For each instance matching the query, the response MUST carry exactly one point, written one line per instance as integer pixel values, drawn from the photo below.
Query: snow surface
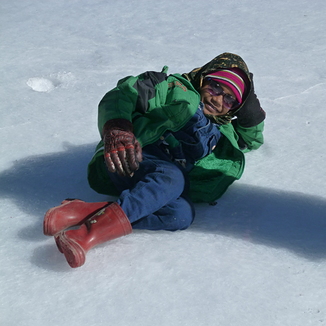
(256, 258)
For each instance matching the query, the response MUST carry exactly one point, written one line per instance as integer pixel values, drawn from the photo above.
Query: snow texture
(256, 258)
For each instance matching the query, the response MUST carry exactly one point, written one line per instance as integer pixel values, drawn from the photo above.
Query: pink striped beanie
(232, 79)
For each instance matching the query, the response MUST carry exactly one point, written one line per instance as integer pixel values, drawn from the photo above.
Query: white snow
(256, 258)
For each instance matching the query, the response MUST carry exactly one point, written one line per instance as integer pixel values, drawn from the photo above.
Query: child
(167, 141)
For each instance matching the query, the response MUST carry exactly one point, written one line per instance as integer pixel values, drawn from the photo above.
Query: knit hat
(231, 78)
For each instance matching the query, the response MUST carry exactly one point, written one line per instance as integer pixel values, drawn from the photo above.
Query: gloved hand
(251, 113)
(122, 151)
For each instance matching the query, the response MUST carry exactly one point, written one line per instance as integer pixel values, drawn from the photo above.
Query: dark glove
(122, 151)
(250, 114)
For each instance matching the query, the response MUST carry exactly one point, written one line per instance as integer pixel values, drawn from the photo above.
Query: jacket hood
(223, 61)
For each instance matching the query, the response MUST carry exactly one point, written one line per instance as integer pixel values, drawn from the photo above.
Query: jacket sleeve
(249, 138)
(131, 94)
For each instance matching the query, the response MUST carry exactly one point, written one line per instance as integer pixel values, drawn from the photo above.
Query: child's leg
(177, 215)
(154, 193)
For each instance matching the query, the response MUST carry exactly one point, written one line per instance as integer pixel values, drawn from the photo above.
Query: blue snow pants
(155, 198)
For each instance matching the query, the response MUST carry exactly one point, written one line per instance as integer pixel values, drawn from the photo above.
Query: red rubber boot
(71, 212)
(107, 224)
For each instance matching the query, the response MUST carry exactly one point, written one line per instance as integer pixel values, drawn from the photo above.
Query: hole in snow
(39, 84)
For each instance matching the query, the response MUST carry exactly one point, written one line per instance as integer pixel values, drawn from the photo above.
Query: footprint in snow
(41, 84)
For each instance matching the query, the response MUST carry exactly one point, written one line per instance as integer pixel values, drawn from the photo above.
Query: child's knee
(184, 215)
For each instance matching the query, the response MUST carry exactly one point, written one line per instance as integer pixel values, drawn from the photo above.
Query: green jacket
(156, 102)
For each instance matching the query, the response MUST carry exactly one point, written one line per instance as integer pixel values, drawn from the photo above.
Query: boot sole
(47, 225)
(56, 238)
(74, 253)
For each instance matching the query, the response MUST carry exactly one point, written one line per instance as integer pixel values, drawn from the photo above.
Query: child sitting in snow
(167, 141)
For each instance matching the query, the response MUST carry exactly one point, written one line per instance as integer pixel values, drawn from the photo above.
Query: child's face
(214, 105)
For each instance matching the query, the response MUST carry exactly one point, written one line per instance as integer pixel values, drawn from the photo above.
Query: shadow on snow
(294, 221)
(290, 220)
